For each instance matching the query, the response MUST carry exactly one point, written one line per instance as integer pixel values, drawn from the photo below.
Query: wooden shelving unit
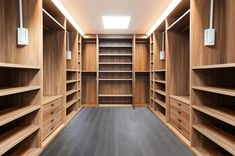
(89, 72)
(115, 61)
(213, 73)
(178, 69)
(20, 79)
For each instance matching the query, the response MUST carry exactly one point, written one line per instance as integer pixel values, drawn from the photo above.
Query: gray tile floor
(116, 132)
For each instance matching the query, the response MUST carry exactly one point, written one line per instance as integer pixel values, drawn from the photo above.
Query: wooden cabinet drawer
(179, 127)
(51, 108)
(181, 106)
(184, 122)
(51, 124)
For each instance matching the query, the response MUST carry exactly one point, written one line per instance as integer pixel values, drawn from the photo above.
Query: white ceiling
(88, 14)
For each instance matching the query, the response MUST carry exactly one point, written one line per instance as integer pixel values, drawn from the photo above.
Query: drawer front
(181, 106)
(51, 108)
(184, 122)
(179, 113)
(180, 128)
(51, 124)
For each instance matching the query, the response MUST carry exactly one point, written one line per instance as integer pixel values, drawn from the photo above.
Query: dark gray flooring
(116, 132)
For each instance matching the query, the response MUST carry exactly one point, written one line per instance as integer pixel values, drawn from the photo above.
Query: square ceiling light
(116, 22)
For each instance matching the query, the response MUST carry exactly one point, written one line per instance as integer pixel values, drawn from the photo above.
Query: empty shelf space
(160, 116)
(15, 136)
(201, 151)
(28, 151)
(215, 66)
(225, 115)
(48, 99)
(71, 92)
(11, 114)
(159, 102)
(160, 81)
(222, 138)
(115, 63)
(217, 90)
(181, 22)
(115, 95)
(160, 92)
(71, 81)
(115, 79)
(15, 90)
(50, 22)
(184, 99)
(70, 103)
(18, 66)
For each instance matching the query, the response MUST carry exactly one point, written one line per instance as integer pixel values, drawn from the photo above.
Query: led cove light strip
(65, 12)
(168, 10)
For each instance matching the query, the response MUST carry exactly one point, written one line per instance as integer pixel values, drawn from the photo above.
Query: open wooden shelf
(71, 70)
(16, 90)
(15, 136)
(71, 81)
(160, 92)
(200, 151)
(71, 115)
(115, 46)
(28, 151)
(71, 102)
(159, 70)
(159, 102)
(217, 90)
(14, 113)
(223, 114)
(71, 92)
(184, 99)
(115, 95)
(18, 66)
(160, 81)
(222, 138)
(48, 99)
(115, 79)
(50, 22)
(214, 66)
(181, 23)
(115, 54)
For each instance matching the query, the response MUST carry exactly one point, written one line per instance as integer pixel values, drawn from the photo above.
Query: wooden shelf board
(141, 71)
(48, 99)
(70, 103)
(18, 66)
(215, 66)
(115, 46)
(51, 22)
(115, 95)
(225, 115)
(70, 116)
(222, 138)
(112, 71)
(115, 79)
(159, 102)
(71, 70)
(15, 113)
(86, 71)
(16, 90)
(160, 92)
(160, 81)
(159, 70)
(217, 90)
(70, 92)
(184, 99)
(71, 81)
(15, 136)
(115, 54)
(159, 115)
(181, 22)
(115, 63)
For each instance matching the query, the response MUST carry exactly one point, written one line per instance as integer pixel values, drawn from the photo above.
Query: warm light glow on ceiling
(66, 13)
(116, 22)
(168, 10)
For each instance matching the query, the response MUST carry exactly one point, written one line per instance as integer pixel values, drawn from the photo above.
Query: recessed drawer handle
(180, 128)
(52, 112)
(179, 112)
(52, 120)
(179, 120)
(52, 128)
(52, 104)
(179, 104)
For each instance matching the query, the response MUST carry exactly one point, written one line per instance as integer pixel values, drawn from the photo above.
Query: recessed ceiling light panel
(116, 22)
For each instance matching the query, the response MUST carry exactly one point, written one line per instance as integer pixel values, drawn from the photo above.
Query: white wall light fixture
(116, 22)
